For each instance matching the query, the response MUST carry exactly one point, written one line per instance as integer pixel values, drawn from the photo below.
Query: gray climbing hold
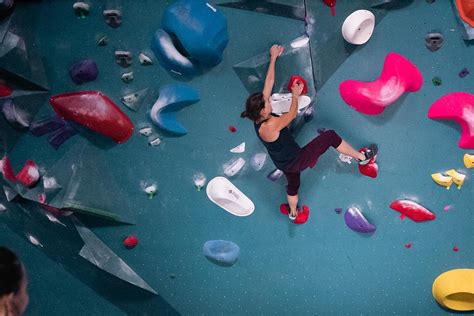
(81, 9)
(103, 40)
(123, 58)
(113, 17)
(127, 77)
(221, 252)
(434, 41)
(145, 60)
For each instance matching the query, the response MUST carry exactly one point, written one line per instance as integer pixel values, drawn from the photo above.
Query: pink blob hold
(458, 107)
(29, 174)
(412, 210)
(408, 245)
(95, 111)
(130, 242)
(448, 207)
(398, 76)
(7, 169)
(455, 248)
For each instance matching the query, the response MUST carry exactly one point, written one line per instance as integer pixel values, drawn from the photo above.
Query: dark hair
(11, 272)
(254, 104)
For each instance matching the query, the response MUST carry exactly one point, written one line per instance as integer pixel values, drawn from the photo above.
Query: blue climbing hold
(173, 97)
(84, 71)
(170, 57)
(221, 252)
(192, 32)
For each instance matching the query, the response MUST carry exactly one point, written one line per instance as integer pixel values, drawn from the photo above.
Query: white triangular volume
(239, 149)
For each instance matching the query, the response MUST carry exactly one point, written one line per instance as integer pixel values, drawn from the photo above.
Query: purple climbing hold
(463, 73)
(356, 221)
(58, 137)
(45, 126)
(84, 71)
(338, 210)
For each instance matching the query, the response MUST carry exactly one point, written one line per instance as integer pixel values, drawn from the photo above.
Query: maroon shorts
(308, 157)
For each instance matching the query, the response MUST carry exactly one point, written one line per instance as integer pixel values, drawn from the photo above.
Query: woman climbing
(274, 133)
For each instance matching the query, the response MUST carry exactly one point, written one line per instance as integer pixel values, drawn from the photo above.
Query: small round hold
(81, 9)
(127, 77)
(463, 73)
(103, 40)
(434, 41)
(113, 17)
(437, 81)
(130, 241)
(145, 60)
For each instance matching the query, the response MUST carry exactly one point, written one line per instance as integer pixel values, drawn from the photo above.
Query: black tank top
(282, 151)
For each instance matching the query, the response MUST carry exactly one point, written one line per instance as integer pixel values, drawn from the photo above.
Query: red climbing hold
(95, 111)
(408, 245)
(412, 210)
(7, 169)
(301, 215)
(232, 129)
(370, 169)
(299, 80)
(455, 248)
(130, 242)
(5, 90)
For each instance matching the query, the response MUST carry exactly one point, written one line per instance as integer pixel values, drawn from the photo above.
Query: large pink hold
(398, 76)
(412, 210)
(459, 107)
(95, 111)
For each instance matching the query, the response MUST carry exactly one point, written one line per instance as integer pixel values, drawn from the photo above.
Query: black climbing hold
(463, 73)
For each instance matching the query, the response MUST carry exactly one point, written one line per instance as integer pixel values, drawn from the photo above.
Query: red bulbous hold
(95, 111)
(130, 242)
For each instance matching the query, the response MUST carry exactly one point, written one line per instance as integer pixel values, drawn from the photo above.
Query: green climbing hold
(437, 81)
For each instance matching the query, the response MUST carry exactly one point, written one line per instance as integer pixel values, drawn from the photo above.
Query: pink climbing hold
(448, 207)
(408, 245)
(398, 76)
(412, 210)
(7, 169)
(459, 107)
(29, 174)
(455, 248)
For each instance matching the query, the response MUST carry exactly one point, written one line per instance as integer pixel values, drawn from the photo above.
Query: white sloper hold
(238, 149)
(258, 160)
(232, 167)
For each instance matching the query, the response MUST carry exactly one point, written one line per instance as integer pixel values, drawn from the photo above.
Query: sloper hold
(173, 97)
(356, 221)
(412, 210)
(99, 254)
(459, 107)
(96, 111)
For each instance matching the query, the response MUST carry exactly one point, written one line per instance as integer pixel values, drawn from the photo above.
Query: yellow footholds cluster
(443, 180)
(458, 178)
(469, 161)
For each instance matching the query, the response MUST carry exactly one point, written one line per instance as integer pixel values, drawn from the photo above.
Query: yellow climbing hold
(445, 181)
(458, 178)
(454, 289)
(469, 161)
